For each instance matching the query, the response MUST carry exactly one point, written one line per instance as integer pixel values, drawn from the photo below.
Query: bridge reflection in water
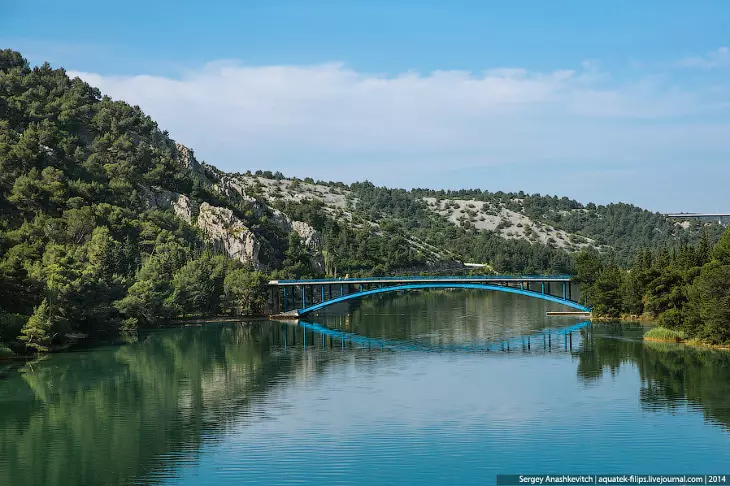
(314, 335)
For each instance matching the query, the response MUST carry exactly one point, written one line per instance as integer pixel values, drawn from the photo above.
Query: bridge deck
(424, 279)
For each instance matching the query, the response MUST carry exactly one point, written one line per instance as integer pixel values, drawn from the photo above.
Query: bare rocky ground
(509, 224)
(230, 233)
(468, 213)
(478, 214)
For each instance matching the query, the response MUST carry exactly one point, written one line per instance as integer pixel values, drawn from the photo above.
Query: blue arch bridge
(296, 298)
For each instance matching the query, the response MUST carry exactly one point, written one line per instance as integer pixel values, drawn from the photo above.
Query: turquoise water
(438, 403)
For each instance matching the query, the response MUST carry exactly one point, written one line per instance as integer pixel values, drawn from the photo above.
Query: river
(440, 387)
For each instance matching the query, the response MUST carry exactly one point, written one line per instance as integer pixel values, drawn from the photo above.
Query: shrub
(664, 334)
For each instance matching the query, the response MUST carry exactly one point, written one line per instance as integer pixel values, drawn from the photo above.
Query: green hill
(106, 223)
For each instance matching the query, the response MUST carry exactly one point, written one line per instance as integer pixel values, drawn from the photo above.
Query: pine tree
(36, 334)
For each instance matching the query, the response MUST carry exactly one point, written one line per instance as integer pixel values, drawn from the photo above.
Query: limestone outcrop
(310, 237)
(158, 198)
(183, 208)
(227, 233)
(186, 159)
(235, 191)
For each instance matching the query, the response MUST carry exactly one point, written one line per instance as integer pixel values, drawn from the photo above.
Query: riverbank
(659, 334)
(663, 335)
(7, 353)
(644, 318)
(211, 320)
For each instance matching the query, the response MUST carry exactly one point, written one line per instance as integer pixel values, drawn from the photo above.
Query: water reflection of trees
(110, 415)
(672, 376)
(140, 411)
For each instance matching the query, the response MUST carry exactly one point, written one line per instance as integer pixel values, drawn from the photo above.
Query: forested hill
(106, 223)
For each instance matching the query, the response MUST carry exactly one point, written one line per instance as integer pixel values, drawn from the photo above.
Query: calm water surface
(401, 389)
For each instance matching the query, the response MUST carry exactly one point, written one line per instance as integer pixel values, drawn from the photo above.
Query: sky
(598, 101)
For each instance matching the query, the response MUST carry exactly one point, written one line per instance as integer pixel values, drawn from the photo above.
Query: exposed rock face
(187, 160)
(158, 198)
(187, 157)
(229, 234)
(221, 227)
(309, 236)
(234, 190)
(281, 220)
(183, 208)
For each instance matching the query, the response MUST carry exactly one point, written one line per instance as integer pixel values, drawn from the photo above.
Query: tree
(37, 333)
(80, 224)
(244, 291)
(721, 252)
(665, 292)
(27, 193)
(10, 59)
(588, 266)
(296, 259)
(711, 297)
(198, 286)
(605, 294)
(633, 294)
(147, 300)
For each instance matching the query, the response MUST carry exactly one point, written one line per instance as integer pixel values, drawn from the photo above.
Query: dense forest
(80, 252)
(686, 289)
(625, 228)
(87, 249)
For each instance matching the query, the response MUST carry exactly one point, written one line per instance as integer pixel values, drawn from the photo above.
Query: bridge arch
(439, 285)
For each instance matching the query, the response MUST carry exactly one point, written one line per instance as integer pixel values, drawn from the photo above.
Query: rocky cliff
(226, 231)
(229, 234)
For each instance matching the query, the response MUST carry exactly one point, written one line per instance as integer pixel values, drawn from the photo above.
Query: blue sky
(600, 101)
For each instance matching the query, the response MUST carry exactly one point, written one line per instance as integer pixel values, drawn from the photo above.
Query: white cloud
(715, 59)
(332, 122)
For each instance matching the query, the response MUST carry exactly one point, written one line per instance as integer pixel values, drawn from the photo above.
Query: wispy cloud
(333, 122)
(712, 60)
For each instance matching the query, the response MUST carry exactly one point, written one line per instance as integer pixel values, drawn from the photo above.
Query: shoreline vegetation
(685, 290)
(663, 335)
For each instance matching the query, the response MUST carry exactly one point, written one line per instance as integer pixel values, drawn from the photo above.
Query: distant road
(697, 215)
(721, 218)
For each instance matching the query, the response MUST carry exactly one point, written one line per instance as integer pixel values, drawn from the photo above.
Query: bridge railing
(506, 278)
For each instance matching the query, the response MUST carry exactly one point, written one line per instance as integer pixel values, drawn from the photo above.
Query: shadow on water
(142, 411)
